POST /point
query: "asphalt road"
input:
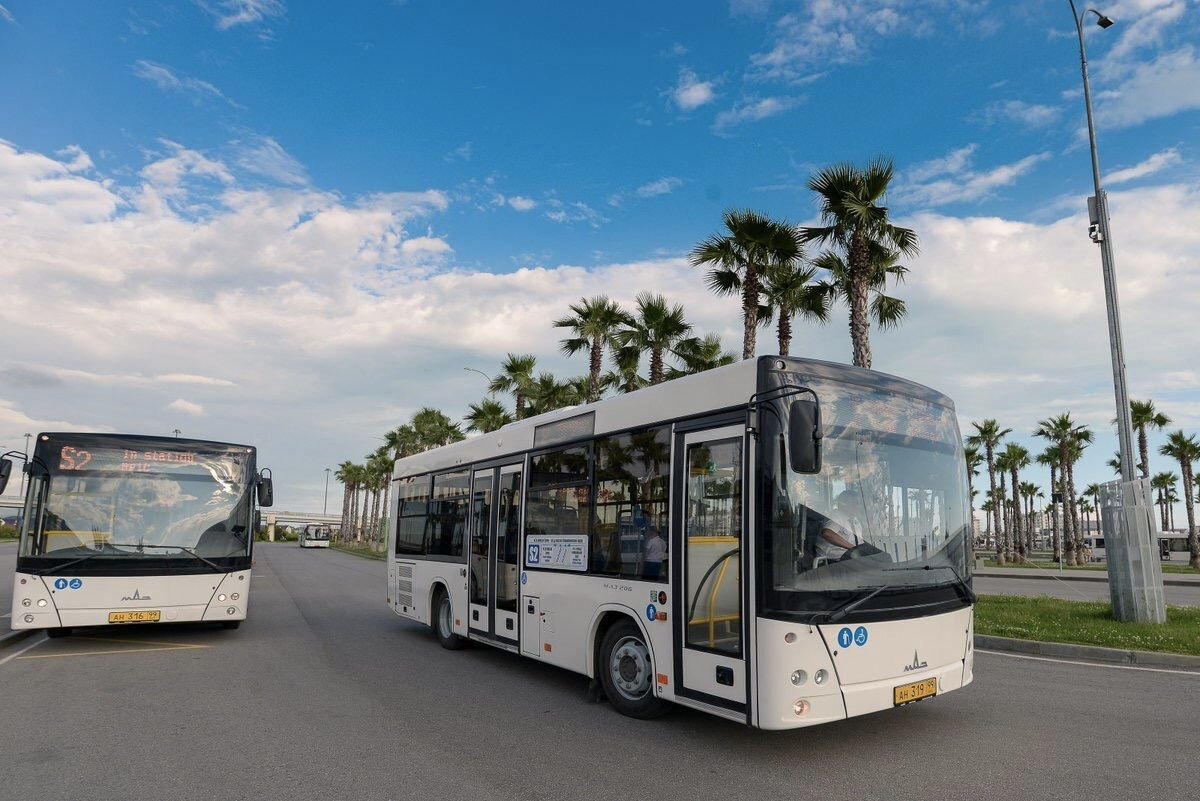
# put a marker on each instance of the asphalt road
(1074, 590)
(324, 694)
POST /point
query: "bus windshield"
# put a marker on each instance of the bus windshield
(887, 511)
(133, 498)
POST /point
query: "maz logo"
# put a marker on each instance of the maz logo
(137, 596)
(917, 664)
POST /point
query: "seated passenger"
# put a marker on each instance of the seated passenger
(838, 534)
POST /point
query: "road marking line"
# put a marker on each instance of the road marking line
(141, 642)
(6, 614)
(31, 645)
(110, 653)
(1088, 664)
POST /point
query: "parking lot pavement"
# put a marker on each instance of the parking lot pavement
(324, 694)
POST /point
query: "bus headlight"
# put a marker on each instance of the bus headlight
(235, 596)
(41, 601)
(820, 676)
(29, 618)
(231, 610)
(221, 597)
(26, 602)
(799, 677)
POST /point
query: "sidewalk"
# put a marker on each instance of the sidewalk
(1169, 579)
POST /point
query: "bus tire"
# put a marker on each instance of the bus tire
(59, 632)
(443, 622)
(626, 671)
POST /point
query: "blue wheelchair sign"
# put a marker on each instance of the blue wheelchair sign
(76, 584)
(860, 635)
(845, 637)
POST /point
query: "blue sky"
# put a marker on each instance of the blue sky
(565, 149)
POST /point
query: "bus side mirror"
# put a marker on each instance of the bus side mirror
(5, 473)
(804, 436)
(266, 492)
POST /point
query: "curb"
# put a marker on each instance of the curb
(14, 637)
(1103, 577)
(1093, 653)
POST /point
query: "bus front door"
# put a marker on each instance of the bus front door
(711, 663)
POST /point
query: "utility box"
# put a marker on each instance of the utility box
(1131, 544)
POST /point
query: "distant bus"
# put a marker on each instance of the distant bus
(679, 543)
(121, 529)
(315, 536)
(1172, 545)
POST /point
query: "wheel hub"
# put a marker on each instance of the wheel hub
(629, 668)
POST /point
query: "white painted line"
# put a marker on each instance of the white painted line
(36, 642)
(6, 614)
(1088, 664)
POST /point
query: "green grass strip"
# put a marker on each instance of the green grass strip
(1053, 620)
(365, 551)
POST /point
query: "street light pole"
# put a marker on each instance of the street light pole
(1101, 231)
(325, 505)
(485, 375)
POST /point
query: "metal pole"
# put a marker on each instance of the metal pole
(1109, 268)
(325, 505)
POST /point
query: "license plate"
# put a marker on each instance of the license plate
(142, 616)
(907, 693)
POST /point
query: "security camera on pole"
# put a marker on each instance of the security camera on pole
(1130, 533)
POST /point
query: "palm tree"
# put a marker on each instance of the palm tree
(1115, 463)
(1165, 483)
(624, 375)
(987, 507)
(738, 258)
(1085, 508)
(856, 222)
(403, 441)
(697, 354)
(1145, 417)
(345, 476)
(1049, 458)
(1029, 491)
(487, 415)
(1185, 449)
(887, 311)
(1093, 491)
(1014, 458)
(547, 393)
(987, 436)
(1069, 439)
(657, 328)
(973, 459)
(516, 377)
(789, 291)
(435, 429)
(594, 322)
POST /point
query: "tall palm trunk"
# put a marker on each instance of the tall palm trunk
(345, 526)
(1144, 449)
(362, 520)
(785, 332)
(1189, 486)
(1054, 515)
(595, 365)
(1073, 506)
(656, 364)
(1018, 535)
(373, 520)
(1006, 544)
(750, 293)
(996, 505)
(860, 323)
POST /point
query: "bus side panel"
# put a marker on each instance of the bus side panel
(413, 583)
(572, 606)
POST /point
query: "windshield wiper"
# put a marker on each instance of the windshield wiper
(968, 593)
(63, 566)
(140, 548)
(847, 608)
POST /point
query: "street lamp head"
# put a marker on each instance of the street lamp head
(1104, 22)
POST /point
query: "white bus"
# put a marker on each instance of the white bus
(122, 529)
(315, 536)
(782, 542)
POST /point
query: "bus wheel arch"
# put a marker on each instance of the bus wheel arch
(441, 617)
(620, 639)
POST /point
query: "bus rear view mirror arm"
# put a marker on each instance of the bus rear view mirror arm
(804, 436)
(6, 467)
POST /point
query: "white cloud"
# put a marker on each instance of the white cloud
(520, 203)
(186, 407)
(753, 110)
(463, 152)
(231, 13)
(663, 186)
(573, 212)
(300, 310)
(7, 15)
(263, 156)
(1155, 163)
(691, 93)
(165, 177)
(168, 80)
(952, 180)
(1030, 115)
(1148, 90)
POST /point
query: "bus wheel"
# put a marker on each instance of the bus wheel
(63, 632)
(627, 672)
(443, 623)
